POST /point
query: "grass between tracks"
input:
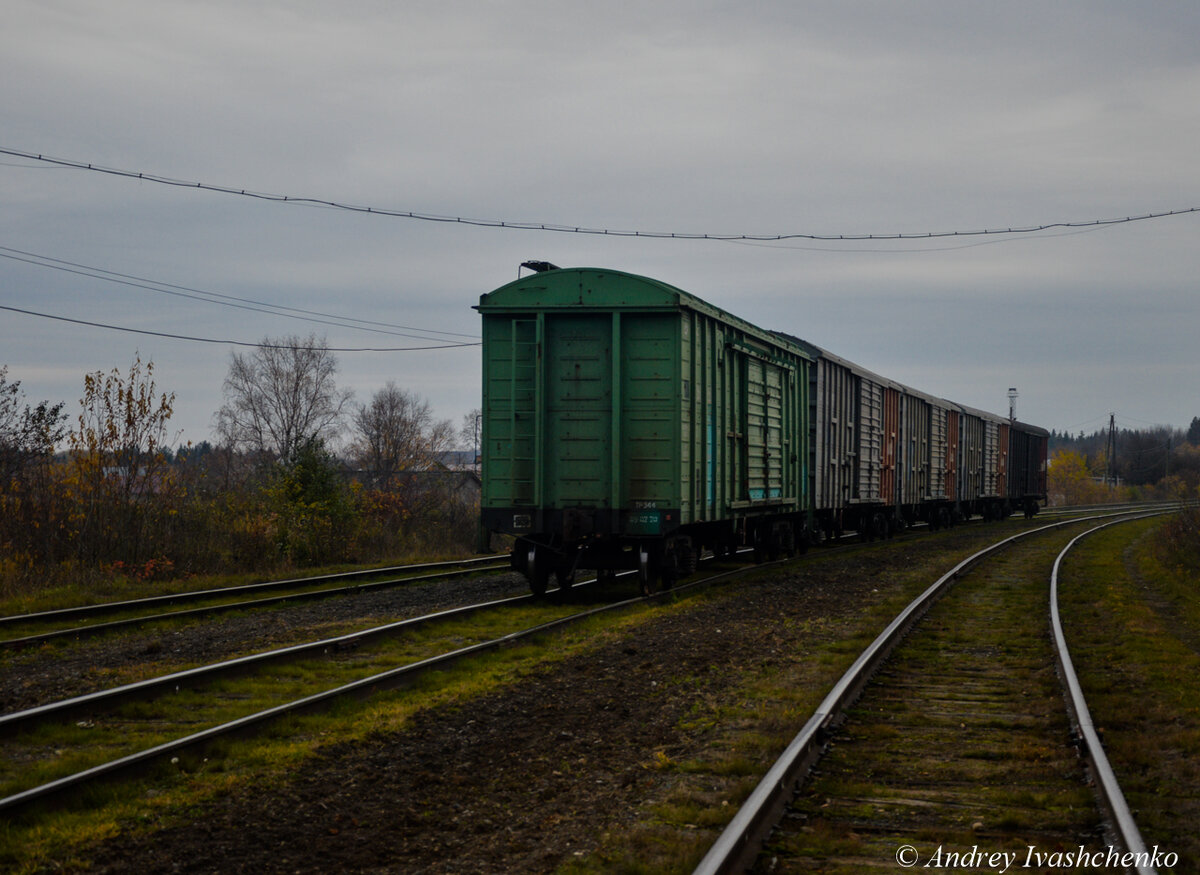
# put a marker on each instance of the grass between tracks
(1131, 615)
(53, 750)
(120, 587)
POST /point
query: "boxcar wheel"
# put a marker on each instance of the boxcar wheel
(645, 576)
(538, 571)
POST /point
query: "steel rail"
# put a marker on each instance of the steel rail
(309, 595)
(742, 839)
(200, 594)
(390, 679)
(143, 689)
(87, 702)
(1108, 788)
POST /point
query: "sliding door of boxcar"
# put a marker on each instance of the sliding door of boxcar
(891, 445)
(937, 452)
(1002, 448)
(869, 455)
(763, 444)
(914, 449)
(836, 433)
(991, 457)
(952, 420)
(970, 469)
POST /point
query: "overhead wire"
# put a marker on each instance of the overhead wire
(577, 229)
(222, 299)
(228, 342)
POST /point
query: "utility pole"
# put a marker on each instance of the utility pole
(1111, 450)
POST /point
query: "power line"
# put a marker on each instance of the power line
(221, 299)
(575, 229)
(228, 342)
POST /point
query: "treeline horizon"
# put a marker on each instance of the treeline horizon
(104, 497)
(1142, 456)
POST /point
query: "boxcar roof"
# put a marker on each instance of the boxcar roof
(572, 287)
(821, 352)
(1032, 429)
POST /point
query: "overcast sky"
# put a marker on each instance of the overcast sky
(765, 118)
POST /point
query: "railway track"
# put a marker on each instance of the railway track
(26, 630)
(306, 690)
(135, 729)
(958, 743)
(119, 719)
(20, 631)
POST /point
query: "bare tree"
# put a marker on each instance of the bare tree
(397, 432)
(25, 435)
(281, 396)
(469, 435)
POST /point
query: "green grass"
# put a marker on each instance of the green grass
(1132, 621)
(121, 588)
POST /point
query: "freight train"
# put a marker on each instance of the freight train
(630, 425)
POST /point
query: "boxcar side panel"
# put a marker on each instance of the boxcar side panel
(745, 423)
(509, 404)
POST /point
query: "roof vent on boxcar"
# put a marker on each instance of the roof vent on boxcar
(539, 266)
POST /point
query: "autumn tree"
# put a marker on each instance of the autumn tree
(118, 453)
(396, 432)
(1069, 480)
(281, 396)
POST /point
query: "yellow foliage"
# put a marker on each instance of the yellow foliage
(1069, 481)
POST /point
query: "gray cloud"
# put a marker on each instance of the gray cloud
(713, 117)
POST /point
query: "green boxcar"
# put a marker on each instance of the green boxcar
(628, 424)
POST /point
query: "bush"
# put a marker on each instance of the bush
(1180, 539)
